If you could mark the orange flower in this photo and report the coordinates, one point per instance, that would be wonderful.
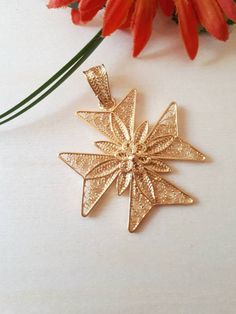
(136, 14)
(210, 14)
(139, 14)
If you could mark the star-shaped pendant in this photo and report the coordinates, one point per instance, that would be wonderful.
(133, 157)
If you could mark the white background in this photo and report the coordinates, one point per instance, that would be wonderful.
(53, 261)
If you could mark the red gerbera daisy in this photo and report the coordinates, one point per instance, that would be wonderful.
(210, 14)
(139, 15)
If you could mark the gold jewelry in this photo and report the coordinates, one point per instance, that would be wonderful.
(133, 158)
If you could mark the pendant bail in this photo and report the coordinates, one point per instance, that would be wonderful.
(98, 80)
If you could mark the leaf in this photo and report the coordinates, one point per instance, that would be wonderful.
(103, 169)
(141, 133)
(145, 185)
(160, 144)
(107, 147)
(119, 129)
(123, 181)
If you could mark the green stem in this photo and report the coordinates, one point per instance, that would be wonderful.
(93, 45)
(96, 39)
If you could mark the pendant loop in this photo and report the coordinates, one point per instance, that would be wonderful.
(98, 80)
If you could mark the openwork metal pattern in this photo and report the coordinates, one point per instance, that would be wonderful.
(133, 157)
(98, 80)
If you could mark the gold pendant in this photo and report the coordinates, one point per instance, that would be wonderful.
(133, 157)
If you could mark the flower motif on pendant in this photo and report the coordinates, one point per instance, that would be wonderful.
(133, 158)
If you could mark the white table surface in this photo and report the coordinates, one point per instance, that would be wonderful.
(53, 261)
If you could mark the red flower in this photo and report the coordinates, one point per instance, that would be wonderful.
(139, 15)
(210, 14)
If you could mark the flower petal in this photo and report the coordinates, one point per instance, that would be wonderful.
(142, 23)
(160, 144)
(140, 206)
(212, 18)
(180, 150)
(229, 8)
(119, 129)
(107, 147)
(158, 167)
(89, 8)
(188, 26)
(123, 181)
(125, 110)
(141, 133)
(115, 14)
(167, 6)
(103, 169)
(75, 16)
(128, 20)
(59, 3)
(145, 185)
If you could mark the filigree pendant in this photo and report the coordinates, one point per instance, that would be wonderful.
(134, 158)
